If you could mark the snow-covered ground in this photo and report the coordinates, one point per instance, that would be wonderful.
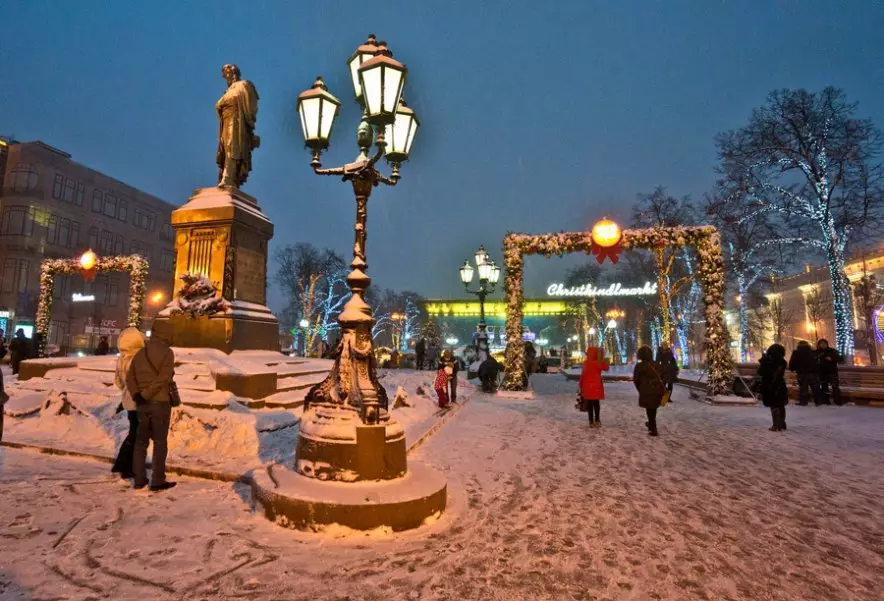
(542, 507)
(234, 440)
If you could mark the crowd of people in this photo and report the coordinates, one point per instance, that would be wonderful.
(816, 371)
(653, 380)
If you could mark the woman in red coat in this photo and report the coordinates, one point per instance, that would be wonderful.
(591, 388)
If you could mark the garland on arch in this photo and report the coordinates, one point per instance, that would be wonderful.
(135, 265)
(710, 270)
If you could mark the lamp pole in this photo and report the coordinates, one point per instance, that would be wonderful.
(378, 81)
(489, 275)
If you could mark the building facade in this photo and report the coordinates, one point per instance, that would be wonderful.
(801, 307)
(53, 207)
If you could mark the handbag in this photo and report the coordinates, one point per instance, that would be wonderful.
(581, 405)
(665, 398)
(174, 395)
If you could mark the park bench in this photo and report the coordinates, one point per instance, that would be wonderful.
(861, 385)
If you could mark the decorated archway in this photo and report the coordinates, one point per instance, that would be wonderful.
(710, 271)
(135, 265)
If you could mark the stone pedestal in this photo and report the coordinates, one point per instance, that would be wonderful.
(222, 234)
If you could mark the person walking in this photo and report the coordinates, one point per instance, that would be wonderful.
(803, 362)
(774, 394)
(650, 386)
(420, 351)
(19, 350)
(4, 350)
(148, 381)
(451, 369)
(828, 359)
(131, 341)
(592, 390)
(667, 366)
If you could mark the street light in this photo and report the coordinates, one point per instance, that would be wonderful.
(451, 340)
(157, 297)
(489, 275)
(378, 81)
(612, 324)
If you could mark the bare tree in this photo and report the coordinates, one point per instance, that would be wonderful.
(817, 305)
(808, 161)
(870, 296)
(658, 210)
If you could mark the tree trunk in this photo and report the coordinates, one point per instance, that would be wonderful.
(843, 302)
(744, 318)
(663, 288)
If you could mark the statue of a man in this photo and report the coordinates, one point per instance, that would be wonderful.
(237, 112)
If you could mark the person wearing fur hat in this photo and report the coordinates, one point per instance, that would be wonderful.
(131, 341)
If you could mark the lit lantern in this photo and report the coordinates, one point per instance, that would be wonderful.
(606, 237)
(381, 79)
(88, 264)
(318, 109)
(606, 233)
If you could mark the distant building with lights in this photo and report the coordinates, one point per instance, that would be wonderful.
(51, 206)
(801, 307)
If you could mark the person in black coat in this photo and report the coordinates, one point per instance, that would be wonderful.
(667, 365)
(18, 349)
(488, 373)
(774, 394)
(420, 352)
(103, 347)
(803, 362)
(828, 360)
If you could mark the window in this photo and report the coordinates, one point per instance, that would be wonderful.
(167, 233)
(8, 282)
(64, 231)
(106, 245)
(58, 186)
(17, 221)
(23, 177)
(96, 201)
(140, 248)
(112, 291)
(52, 230)
(167, 261)
(81, 193)
(22, 275)
(74, 241)
(93, 238)
(118, 244)
(70, 187)
(123, 210)
(145, 219)
(60, 286)
(110, 205)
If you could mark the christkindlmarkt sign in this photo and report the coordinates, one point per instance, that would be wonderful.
(613, 290)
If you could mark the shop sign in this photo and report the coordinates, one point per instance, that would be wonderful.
(617, 289)
(76, 297)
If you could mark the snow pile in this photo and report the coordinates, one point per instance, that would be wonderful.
(198, 296)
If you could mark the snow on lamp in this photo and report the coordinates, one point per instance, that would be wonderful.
(363, 53)
(381, 79)
(400, 133)
(317, 109)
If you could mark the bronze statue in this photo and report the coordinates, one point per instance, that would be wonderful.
(237, 113)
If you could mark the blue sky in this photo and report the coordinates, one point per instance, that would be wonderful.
(535, 116)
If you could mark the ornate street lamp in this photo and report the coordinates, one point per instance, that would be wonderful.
(489, 275)
(378, 81)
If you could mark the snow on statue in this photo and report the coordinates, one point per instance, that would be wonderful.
(198, 296)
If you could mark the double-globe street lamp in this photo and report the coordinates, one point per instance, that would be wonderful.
(489, 275)
(378, 80)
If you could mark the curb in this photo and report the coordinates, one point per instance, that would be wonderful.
(435, 427)
(175, 469)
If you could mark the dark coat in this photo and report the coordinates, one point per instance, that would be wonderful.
(19, 348)
(803, 361)
(489, 369)
(772, 371)
(666, 365)
(649, 384)
(828, 361)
